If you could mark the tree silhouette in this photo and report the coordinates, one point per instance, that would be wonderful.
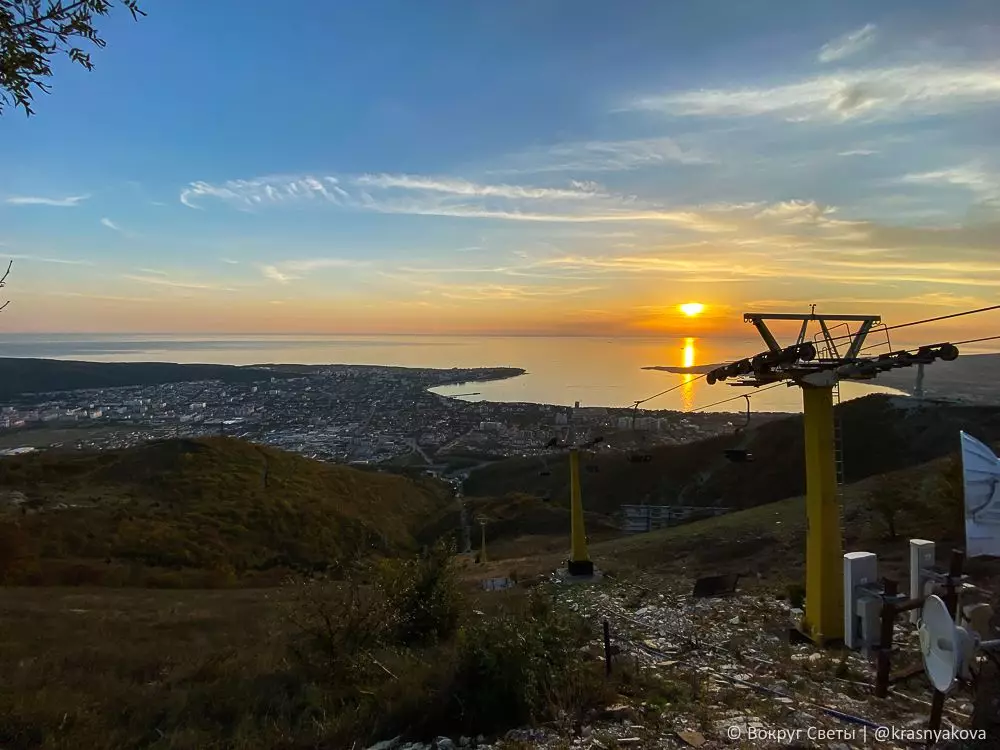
(32, 32)
(3, 279)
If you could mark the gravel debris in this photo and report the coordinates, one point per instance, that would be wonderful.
(748, 680)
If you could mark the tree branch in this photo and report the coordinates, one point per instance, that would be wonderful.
(54, 11)
(3, 281)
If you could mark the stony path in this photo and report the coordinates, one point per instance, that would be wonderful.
(747, 686)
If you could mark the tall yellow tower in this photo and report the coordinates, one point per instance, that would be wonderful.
(824, 610)
(817, 368)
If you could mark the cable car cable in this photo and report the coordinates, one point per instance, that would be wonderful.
(634, 404)
(927, 320)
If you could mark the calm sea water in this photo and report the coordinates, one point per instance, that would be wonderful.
(593, 371)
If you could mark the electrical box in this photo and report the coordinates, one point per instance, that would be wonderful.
(870, 614)
(860, 568)
(922, 557)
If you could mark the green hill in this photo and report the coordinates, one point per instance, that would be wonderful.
(880, 434)
(23, 375)
(766, 543)
(199, 512)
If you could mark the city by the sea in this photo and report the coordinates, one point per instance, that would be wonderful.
(595, 371)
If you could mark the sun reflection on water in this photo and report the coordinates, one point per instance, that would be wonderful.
(687, 388)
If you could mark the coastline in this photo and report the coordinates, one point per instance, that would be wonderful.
(516, 372)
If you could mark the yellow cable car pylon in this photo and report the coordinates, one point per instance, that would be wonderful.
(817, 370)
(579, 563)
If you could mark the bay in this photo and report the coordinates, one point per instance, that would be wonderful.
(560, 370)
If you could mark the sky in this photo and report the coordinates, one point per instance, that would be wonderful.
(520, 167)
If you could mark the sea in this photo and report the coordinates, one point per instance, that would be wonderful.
(594, 371)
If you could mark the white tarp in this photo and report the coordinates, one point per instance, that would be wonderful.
(981, 470)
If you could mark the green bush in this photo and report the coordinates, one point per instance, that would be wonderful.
(396, 649)
(422, 596)
(515, 666)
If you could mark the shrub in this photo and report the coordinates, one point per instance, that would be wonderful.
(422, 596)
(888, 499)
(393, 653)
(515, 666)
(337, 628)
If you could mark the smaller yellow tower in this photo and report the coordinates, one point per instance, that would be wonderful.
(579, 561)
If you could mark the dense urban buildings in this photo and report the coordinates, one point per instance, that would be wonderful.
(361, 414)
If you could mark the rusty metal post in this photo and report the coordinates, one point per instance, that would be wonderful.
(890, 589)
(607, 648)
(951, 601)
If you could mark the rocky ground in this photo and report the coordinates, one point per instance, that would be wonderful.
(722, 672)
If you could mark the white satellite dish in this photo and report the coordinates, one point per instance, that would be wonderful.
(981, 482)
(948, 650)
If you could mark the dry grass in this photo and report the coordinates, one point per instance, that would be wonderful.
(204, 512)
(127, 668)
(291, 667)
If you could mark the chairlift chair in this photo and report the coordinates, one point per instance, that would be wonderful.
(740, 455)
(637, 456)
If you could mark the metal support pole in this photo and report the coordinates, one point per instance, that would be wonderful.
(883, 658)
(951, 601)
(922, 558)
(579, 559)
(824, 612)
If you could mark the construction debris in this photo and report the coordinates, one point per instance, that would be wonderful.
(746, 683)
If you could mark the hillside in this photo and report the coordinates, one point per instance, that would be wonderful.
(880, 434)
(766, 543)
(972, 378)
(214, 507)
(23, 375)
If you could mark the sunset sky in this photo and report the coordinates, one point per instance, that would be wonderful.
(526, 166)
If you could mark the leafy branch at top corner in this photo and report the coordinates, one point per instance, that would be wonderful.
(32, 32)
(3, 281)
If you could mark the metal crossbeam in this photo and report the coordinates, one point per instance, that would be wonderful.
(751, 317)
(853, 343)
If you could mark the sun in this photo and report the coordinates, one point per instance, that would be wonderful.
(692, 309)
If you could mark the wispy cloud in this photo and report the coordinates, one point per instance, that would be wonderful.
(275, 274)
(29, 200)
(465, 188)
(973, 177)
(858, 152)
(576, 202)
(293, 270)
(501, 292)
(796, 212)
(100, 297)
(929, 89)
(848, 44)
(230, 261)
(111, 225)
(491, 291)
(160, 281)
(604, 156)
(247, 194)
(62, 261)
